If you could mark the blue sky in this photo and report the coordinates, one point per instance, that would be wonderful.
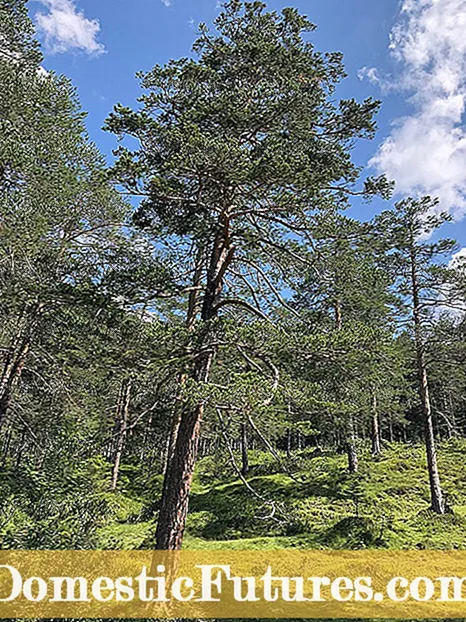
(409, 53)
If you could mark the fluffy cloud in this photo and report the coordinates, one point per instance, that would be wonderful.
(425, 152)
(66, 29)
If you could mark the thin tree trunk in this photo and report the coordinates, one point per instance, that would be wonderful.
(145, 438)
(436, 495)
(434, 478)
(350, 443)
(171, 440)
(351, 452)
(244, 450)
(375, 431)
(123, 413)
(353, 464)
(338, 314)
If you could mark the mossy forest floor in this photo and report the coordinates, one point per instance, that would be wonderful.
(385, 505)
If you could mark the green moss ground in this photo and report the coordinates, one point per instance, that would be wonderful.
(385, 505)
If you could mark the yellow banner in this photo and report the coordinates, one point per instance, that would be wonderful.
(233, 584)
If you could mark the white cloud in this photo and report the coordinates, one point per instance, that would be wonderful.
(167, 2)
(369, 73)
(66, 29)
(425, 152)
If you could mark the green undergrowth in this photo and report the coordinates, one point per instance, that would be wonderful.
(310, 501)
(385, 505)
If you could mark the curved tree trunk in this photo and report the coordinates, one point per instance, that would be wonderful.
(436, 494)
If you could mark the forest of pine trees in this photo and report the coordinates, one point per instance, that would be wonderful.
(206, 302)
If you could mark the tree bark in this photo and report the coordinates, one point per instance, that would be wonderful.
(244, 450)
(353, 464)
(436, 495)
(338, 314)
(122, 414)
(351, 452)
(180, 467)
(375, 430)
(179, 474)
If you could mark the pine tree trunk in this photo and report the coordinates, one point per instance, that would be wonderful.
(244, 451)
(123, 412)
(404, 433)
(353, 464)
(375, 431)
(146, 437)
(434, 478)
(180, 468)
(171, 440)
(300, 441)
(436, 495)
(179, 474)
(352, 454)
(338, 314)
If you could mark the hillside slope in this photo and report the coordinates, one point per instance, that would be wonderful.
(385, 505)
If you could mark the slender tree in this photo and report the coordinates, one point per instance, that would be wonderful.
(423, 284)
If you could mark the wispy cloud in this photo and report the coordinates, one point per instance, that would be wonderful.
(66, 28)
(425, 152)
(167, 2)
(369, 73)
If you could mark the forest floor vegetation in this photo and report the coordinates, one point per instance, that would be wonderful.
(384, 505)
